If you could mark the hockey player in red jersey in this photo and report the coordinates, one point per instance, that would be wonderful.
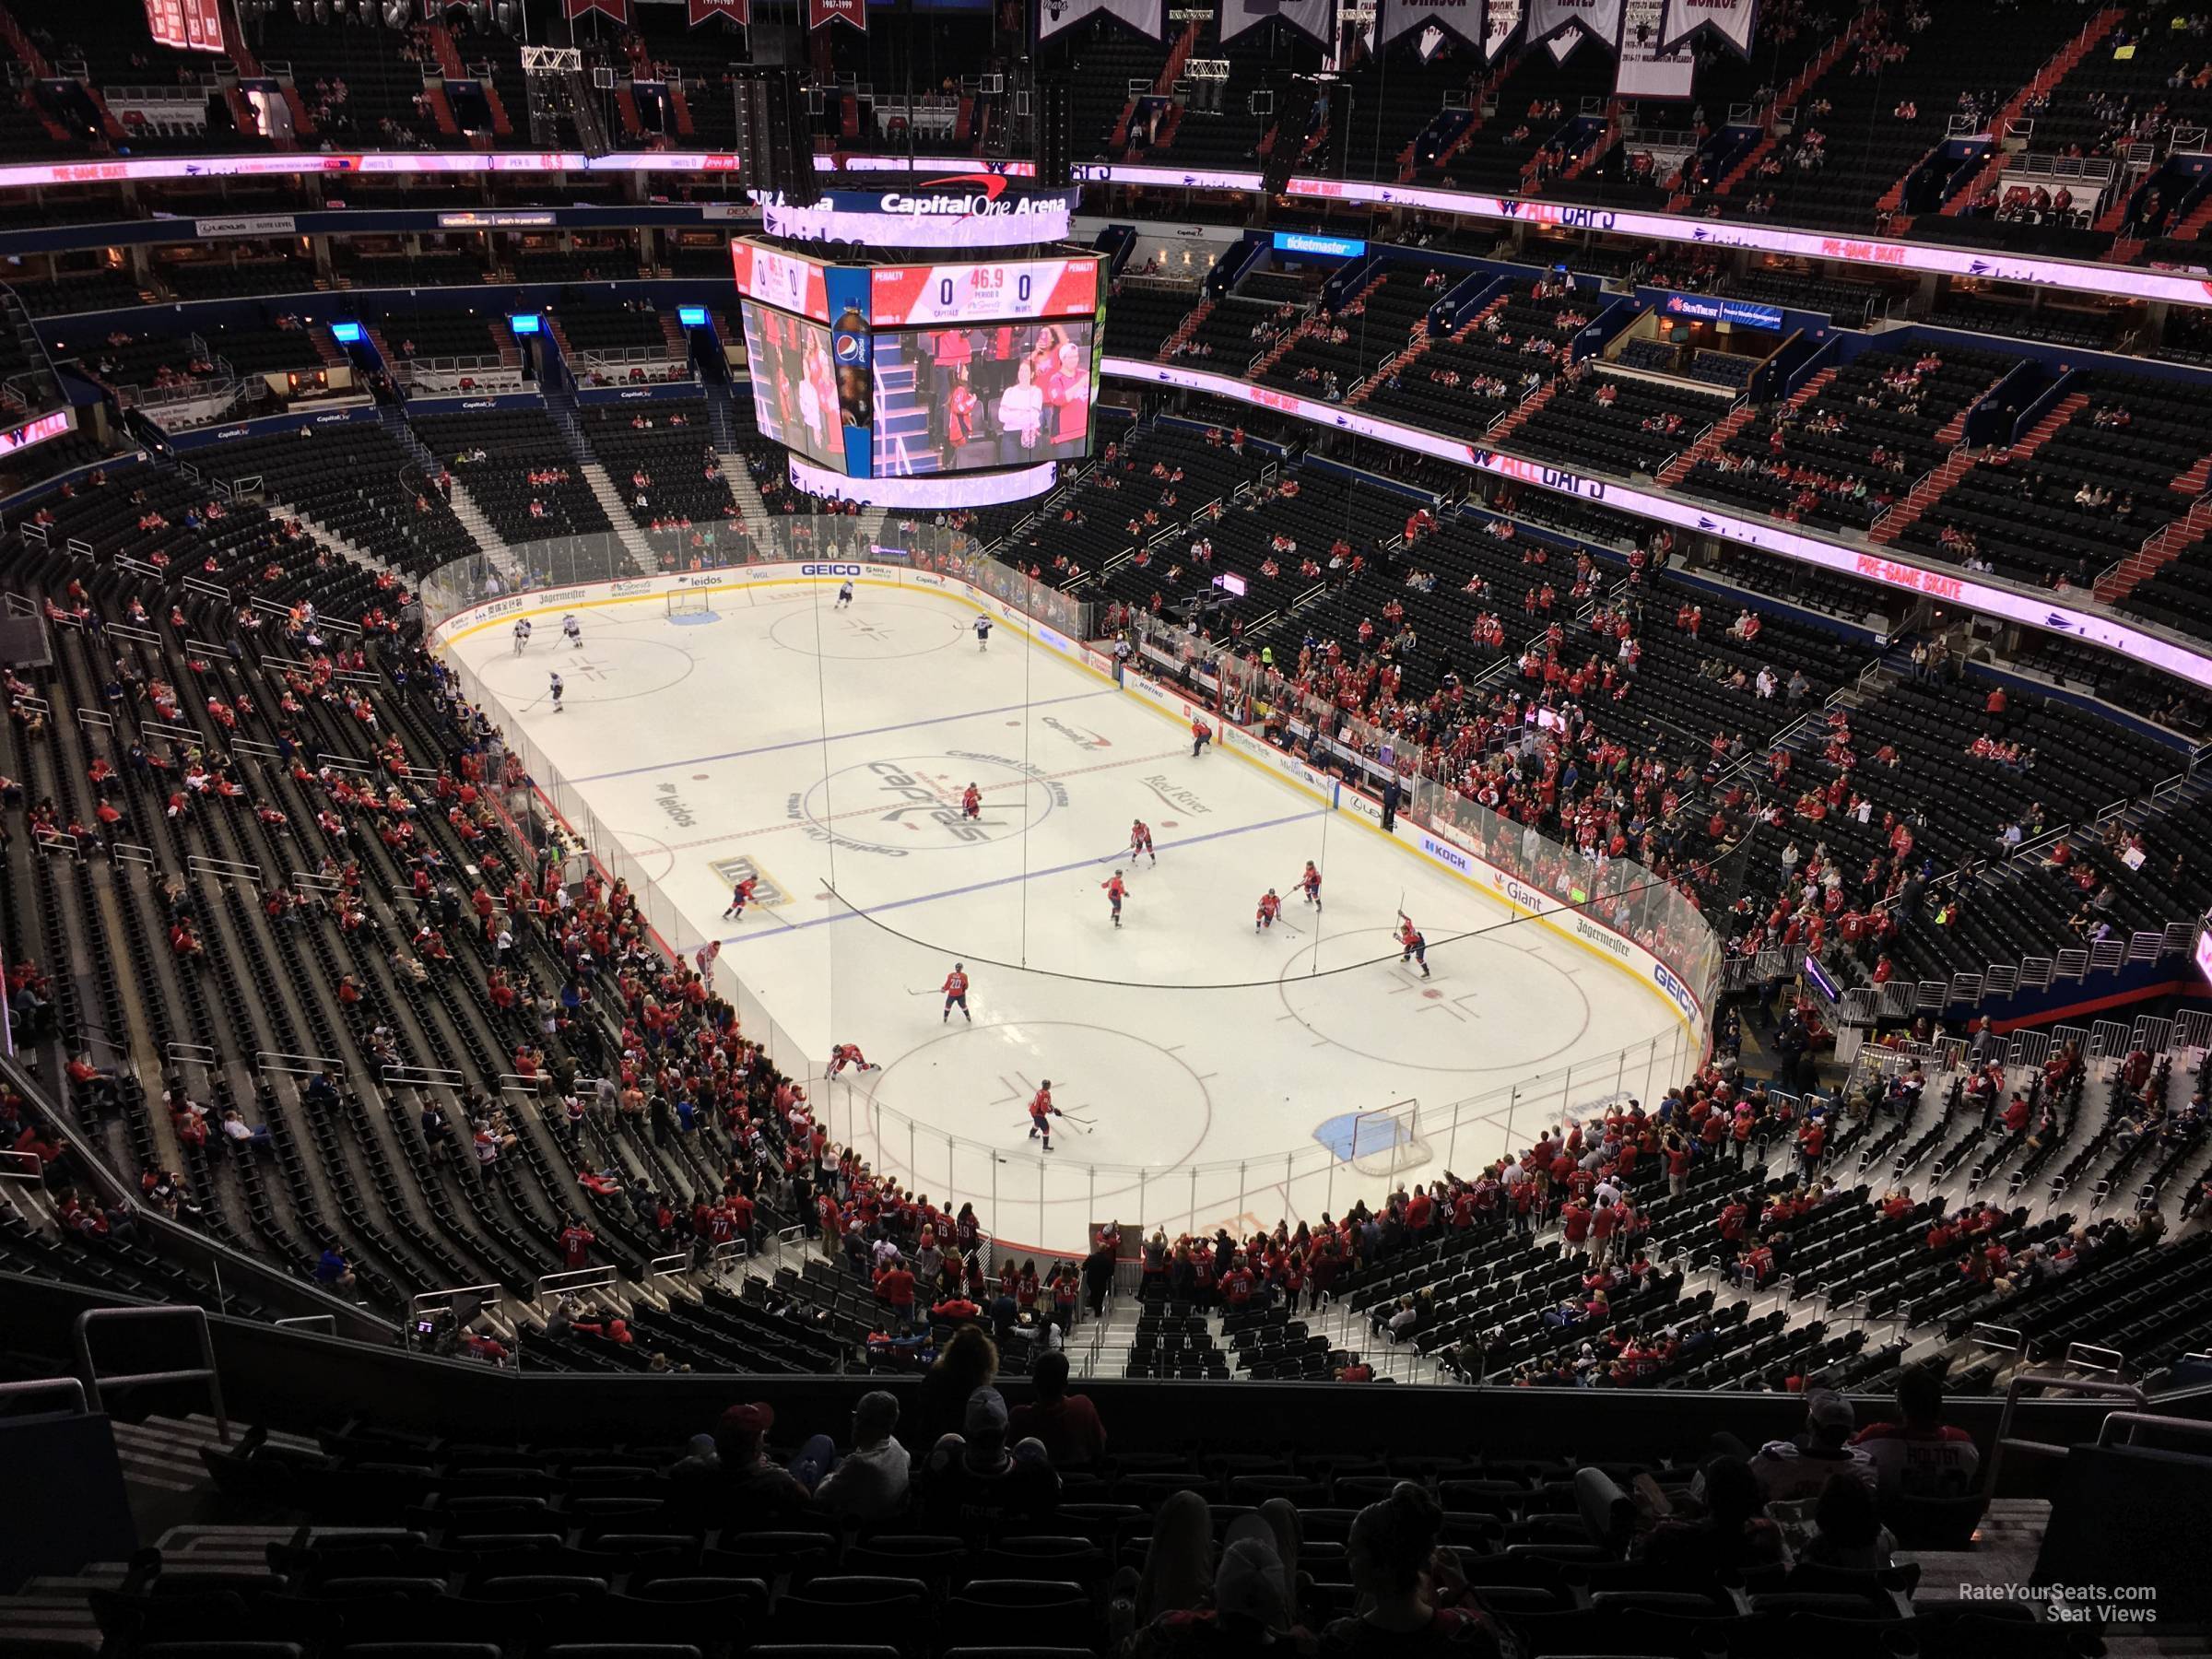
(971, 802)
(1415, 947)
(1041, 1113)
(956, 995)
(1115, 892)
(1140, 840)
(1310, 883)
(1270, 908)
(848, 1053)
(1201, 735)
(741, 895)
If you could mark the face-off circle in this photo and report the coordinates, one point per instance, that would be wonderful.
(1129, 1100)
(1487, 1007)
(912, 803)
(610, 666)
(883, 630)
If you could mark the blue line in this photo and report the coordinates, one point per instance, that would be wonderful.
(907, 725)
(978, 887)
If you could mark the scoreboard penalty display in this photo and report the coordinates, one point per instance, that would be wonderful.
(962, 337)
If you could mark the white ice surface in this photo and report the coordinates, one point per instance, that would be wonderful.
(1196, 1058)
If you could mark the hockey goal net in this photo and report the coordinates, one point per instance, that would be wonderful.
(689, 602)
(1388, 1140)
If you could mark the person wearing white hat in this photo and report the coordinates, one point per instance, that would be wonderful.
(1793, 1471)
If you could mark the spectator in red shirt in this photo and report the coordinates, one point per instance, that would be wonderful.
(1920, 1457)
(1755, 1266)
(576, 1241)
(1575, 1220)
(1068, 1425)
(895, 1289)
(1812, 1141)
(956, 1310)
(1605, 1221)
(1237, 1285)
(1420, 1210)
(1733, 1216)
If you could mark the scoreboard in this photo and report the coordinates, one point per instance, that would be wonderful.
(900, 371)
(1000, 290)
(790, 282)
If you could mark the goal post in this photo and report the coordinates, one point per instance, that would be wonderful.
(689, 602)
(1388, 1140)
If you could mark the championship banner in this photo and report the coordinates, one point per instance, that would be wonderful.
(1500, 26)
(187, 25)
(1732, 22)
(1599, 19)
(738, 11)
(1148, 18)
(617, 9)
(820, 14)
(1460, 18)
(1645, 70)
(1311, 18)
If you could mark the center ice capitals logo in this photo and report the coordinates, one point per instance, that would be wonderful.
(914, 805)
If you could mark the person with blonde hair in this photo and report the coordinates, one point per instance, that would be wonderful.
(968, 1361)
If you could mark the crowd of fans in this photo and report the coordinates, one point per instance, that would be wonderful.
(962, 1463)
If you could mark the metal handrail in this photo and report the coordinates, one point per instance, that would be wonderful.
(45, 1385)
(2133, 1420)
(81, 1337)
(2036, 1379)
(580, 1279)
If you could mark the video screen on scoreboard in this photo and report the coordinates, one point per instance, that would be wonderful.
(1004, 292)
(967, 399)
(801, 398)
(788, 281)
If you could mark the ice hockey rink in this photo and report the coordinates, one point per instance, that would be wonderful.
(1209, 1073)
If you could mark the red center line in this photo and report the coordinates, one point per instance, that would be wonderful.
(1073, 771)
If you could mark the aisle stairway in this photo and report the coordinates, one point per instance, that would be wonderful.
(2157, 552)
(561, 405)
(1931, 490)
(1519, 417)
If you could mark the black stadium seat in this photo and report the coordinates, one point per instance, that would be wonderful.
(254, 830)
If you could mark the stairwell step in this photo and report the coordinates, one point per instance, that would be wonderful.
(159, 1459)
